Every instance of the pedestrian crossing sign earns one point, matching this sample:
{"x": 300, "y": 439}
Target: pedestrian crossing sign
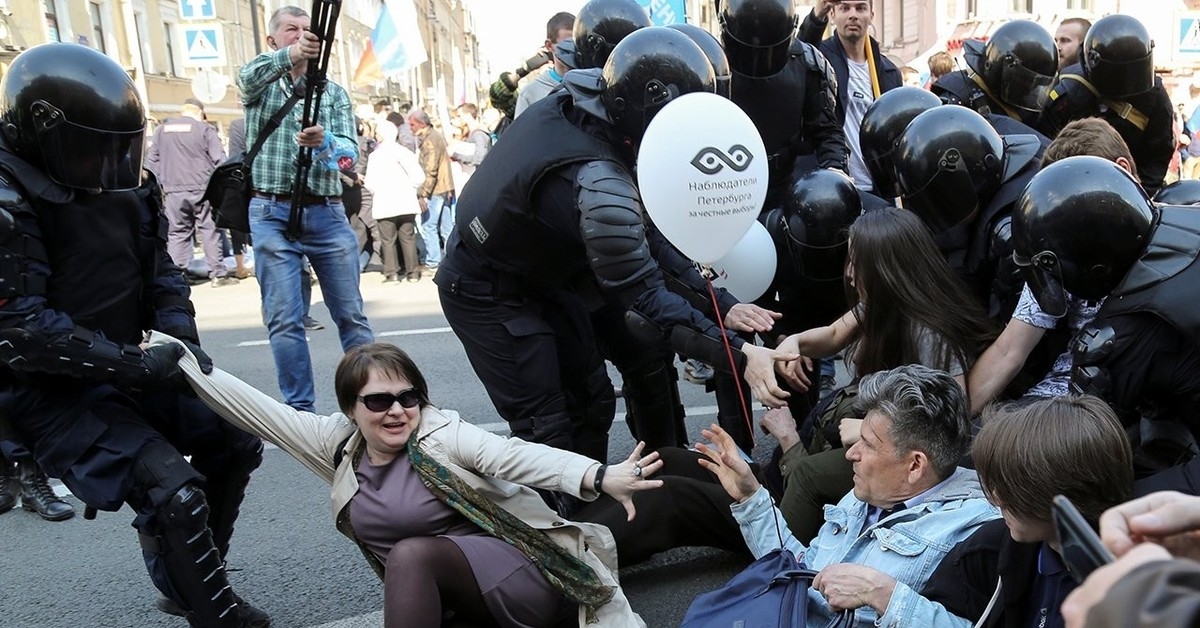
{"x": 1188, "y": 29}
{"x": 203, "y": 45}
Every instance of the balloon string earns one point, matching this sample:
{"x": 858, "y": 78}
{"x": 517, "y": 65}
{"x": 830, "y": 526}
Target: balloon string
{"x": 737, "y": 378}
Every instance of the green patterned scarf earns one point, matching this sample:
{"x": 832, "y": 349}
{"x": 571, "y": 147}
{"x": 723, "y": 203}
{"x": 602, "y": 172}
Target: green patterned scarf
{"x": 568, "y": 574}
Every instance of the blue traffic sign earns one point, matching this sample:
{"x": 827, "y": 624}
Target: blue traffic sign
{"x": 197, "y": 9}
{"x": 203, "y": 45}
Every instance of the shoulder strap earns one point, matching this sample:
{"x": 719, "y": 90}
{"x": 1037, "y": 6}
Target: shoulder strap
{"x": 1124, "y": 110}
{"x": 272, "y": 124}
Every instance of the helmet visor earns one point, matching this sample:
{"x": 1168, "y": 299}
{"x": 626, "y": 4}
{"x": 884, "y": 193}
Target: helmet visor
{"x": 1023, "y": 88}
{"x": 883, "y": 174}
{"x": 82, "y": 157}
{"x": 1044, "y": 274}
{"x": 948, "y": 199}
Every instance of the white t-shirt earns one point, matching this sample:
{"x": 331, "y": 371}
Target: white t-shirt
{"x": 858, "y": 98}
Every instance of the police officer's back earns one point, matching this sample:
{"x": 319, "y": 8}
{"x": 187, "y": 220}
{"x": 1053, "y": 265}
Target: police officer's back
{"x": 1115, "y": 80}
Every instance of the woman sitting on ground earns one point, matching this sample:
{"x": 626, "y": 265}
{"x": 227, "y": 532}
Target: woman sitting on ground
{"x": 441, "y": 508}
{"x": 909, "y": 308}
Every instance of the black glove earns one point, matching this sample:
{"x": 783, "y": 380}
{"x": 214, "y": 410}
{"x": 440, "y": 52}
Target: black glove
{"x": 206, "y": 363}
{"x": 162, "y": 368}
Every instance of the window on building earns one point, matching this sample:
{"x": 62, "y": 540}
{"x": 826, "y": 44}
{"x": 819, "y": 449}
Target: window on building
{"x": 1082, "y": 5}
{"x": 97, "y": 27}
{"x": 51, "y": 15}
{"x": 143, "y": 37}
{"x": 170, "y": 39}
{"x": 1022, "y": 6}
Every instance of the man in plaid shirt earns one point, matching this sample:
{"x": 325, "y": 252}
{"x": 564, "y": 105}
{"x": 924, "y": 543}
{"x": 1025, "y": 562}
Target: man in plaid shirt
{"x": 326, "y": 239}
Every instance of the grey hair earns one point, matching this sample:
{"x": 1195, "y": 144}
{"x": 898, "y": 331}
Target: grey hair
{"x": 273, "y": 24}
{"x": 420, "y": 116}
{"x": 928, "y": 409}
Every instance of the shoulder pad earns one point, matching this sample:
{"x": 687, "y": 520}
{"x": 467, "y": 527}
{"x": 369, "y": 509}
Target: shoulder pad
{"x": 815, "y": 61}
{"x": 612, "y": 225}
{"x": 1093, "y": 344}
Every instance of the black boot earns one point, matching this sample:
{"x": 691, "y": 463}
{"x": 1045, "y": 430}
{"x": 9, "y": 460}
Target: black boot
{"x": 250, "y": 616}
{"x": 8, "y": 494}
{"x": 36, "y": 494}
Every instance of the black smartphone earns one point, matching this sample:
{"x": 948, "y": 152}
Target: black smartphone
{"x": 1082, "y": 550}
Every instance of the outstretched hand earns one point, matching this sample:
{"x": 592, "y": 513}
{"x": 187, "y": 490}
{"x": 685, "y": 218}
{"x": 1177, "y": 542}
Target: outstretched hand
{"x": 760, "y": 374}
{"x": 750, "y": 317}
{"x": 622, "y": 480}
{"x": 721, "y": 458}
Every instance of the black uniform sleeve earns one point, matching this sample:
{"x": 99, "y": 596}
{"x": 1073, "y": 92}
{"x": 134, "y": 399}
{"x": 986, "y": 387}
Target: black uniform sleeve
{"x": 36, "y": 338}
{"x": 614, "y": 236}
{"x": 1157, "y": 141}
{"x": 812, "y": 29}
{"x": 168, "y": 294}
{"x": 683, "y": 277}
{"x": 821, "y": 126}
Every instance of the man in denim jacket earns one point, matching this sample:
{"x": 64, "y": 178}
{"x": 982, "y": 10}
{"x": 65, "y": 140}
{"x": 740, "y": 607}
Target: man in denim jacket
{"x": 910, "y": 505}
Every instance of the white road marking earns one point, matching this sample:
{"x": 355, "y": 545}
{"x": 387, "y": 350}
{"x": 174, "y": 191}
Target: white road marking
{"x": 398, "y": 332}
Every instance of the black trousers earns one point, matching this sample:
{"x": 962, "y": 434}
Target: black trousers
{"x": 691, "y": 509}
{"x": 402, "y": 229}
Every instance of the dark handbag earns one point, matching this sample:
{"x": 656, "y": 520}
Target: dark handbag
{"x": 771, "y": 592}
{"x": 229, "y": 187}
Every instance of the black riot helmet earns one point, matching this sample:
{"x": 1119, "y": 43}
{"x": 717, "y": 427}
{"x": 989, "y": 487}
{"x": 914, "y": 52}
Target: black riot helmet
{"x": 757, "y": 35}
{"x": 1118, "y": 56}
{"x": 949, "y": 164}
{"x": 1182, "y": 192}
{"x": 882, "y": 125}
{"x": 712, "y": 49}
{"x": 601, "y": 25}
{"x": 76, "y": 114}
{"x": 647, "y": 70}
{"x": 813, "y": 225}
{"x": 1018, "y": 64}
{"x": 1078, "y": 228}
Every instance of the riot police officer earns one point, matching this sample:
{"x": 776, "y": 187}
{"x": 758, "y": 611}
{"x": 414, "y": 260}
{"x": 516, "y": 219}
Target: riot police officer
{"x": 544, "y": 235}
{"x": 1084, "y": 227}
{"x": 97, "y": 411}
{"x": 1115, "y": 81}
{"x": 1009, "y": 75}
{"x": 785, "y": 86}
{"x": 883, "y": 123}
{"x": 600, "y": 26}
{"x": 962, "y": 178}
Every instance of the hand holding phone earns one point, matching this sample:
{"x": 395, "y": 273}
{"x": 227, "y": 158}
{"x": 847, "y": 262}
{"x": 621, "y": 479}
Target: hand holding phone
{"x": 1080, "y": 546}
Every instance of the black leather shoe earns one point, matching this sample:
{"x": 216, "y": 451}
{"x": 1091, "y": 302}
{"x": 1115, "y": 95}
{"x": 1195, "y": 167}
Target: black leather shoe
{"x": 37, "y": 496}
{"x": 414, "y": 276}
{"x": 392, "y": 278}
{"x": 8, "y": 492}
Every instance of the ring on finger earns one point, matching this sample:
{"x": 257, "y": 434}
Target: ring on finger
{"x": 637, "y": 471}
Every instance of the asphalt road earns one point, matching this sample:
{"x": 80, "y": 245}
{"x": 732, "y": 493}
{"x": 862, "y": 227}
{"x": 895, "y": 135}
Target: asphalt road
{"x": 286, "y": 557}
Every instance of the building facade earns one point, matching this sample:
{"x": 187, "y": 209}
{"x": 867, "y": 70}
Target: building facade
{"x": 173, "y": 55}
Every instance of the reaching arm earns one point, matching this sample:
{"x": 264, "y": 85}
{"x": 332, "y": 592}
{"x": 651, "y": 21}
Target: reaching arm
{"x": 1000, "y": 362}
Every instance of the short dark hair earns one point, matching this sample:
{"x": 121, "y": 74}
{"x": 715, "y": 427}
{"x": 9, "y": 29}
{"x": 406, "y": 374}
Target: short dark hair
{"x": 1072, "y": 445}
{"x": 355, "y": 369}
{"x": 560, "y": 22}
{"x": 928, "y": 409}
{"x": 1088, "y": 136}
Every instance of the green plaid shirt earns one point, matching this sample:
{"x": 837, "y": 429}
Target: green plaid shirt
{"x": 265, "y": 83}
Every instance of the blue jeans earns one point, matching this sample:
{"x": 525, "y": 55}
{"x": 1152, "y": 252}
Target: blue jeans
{"x": 332, "y": 249}
{"x": 434, "y": 220}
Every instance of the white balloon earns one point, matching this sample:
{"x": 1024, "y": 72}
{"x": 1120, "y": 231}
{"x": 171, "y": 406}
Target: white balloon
{"x": 747, "y": 269}
{"x": 702, "y": 173}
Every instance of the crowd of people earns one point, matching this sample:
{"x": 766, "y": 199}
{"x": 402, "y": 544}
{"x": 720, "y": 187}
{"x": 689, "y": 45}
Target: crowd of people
{"x": 999, "y": 259}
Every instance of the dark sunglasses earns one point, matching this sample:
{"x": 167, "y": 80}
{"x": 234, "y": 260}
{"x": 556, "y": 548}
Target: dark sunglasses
{"x": 381, "y": 402}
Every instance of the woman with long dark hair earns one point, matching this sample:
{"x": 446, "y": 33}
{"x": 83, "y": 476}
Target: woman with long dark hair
{"x": 908, "y": 307}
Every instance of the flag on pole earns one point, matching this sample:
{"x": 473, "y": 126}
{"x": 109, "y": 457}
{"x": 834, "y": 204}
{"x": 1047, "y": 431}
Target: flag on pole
{"x": 395, "y": 44}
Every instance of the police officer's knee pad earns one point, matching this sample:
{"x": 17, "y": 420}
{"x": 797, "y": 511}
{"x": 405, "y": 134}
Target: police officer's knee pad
{"x": 186, "y": 509}
{"x": 160, "y": 472}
